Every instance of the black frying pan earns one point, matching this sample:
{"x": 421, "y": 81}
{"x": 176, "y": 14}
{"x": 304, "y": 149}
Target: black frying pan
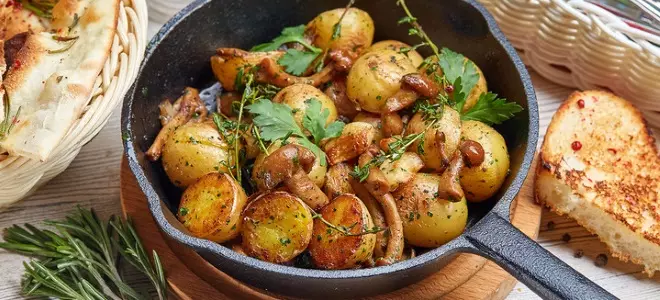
{"x": 179, "y": 56}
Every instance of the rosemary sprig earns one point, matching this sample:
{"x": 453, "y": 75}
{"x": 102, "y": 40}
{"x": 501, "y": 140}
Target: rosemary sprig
{"x": 8, "y": 122}
{"x": 79, "y": 260}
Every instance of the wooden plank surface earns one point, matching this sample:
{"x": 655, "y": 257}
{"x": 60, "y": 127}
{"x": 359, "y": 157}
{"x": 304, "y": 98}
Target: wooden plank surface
{"x": 93, "y": 181}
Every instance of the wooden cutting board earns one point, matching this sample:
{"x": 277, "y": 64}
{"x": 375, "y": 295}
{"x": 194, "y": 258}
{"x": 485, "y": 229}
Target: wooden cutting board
{"x": 190, "y": 277}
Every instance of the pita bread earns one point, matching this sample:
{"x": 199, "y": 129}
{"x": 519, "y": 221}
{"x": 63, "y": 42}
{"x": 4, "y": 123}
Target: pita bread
{"x": 14, "y": 20}
{"x": 52, "y": 81}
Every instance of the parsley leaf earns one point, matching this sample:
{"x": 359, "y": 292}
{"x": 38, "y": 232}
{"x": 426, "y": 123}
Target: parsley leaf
{"x": 296, "y": 62}
{"x": 315, "y": 119}
{"x": 288, "y": 35}
{"x": 276, "y": 122}
{"x": 461, "y": 73}
{"x": 491, "y": 110}
{"x": 274, "y": 119}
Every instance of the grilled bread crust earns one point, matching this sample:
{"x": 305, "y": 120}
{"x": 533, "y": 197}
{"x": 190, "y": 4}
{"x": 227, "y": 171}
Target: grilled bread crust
{"x": 599, "y": 165}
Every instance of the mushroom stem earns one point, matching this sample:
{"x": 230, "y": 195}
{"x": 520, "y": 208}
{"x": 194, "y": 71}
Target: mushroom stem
{"x": 301, "y": 186}
{"x": 450, "y": 186}
{"x": 379, "y": 188}
{"x": 272, "y": 73}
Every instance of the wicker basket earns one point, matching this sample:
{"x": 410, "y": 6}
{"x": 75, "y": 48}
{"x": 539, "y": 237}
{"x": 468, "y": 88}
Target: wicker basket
{"x": 580, "y": 45}
{"x": 20, "y": 175}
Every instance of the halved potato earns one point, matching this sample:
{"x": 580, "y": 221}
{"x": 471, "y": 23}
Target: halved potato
{"x": 403, "y": 170}
{"x": 428, "y": 221}
{"x": 338, "y": 181}
{"x": 277, "y": 226}
{"x": 354, "y": 140}
{"x": 211, "y": 208}
{"x": 333, "y": 250}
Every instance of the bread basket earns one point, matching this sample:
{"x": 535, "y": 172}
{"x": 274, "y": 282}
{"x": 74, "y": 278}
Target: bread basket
{"x": 581, "y": 45}
{"x": 20, "y": 175}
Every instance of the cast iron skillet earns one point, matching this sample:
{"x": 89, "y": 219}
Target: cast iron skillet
{"x": 179, "y": 56}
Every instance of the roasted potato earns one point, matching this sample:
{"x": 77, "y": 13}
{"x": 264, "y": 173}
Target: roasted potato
{"x": 357, "y": 30}
{"x": 449, "y": 125}
{"x": 338, "y": 181}
{"x": 277, "y": 226}
{"x": 403, "y": 170}
{"x": 194, "y": 150}
{"x": 413, "y": 55}
{"x": 317, "y": 174}
{"x": 211, "y": 207}
{"x": 375, "y": 77}
{"x": 429, "y": 221}
{"x": 297, "y": 97}
{"x": 354, "y": 140}
{"x": 229, "y": 62}
{"x": 334, "y": 250}
{"x": 483, "y": 181}
{"x": 480, "y": 88}
{"x": 374, "y": 120}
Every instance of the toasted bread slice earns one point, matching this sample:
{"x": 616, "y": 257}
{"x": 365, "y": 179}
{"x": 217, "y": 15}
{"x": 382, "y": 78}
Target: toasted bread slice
{"x": 599, "y": 165}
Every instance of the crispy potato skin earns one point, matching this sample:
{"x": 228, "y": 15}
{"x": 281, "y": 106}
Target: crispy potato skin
{"x": 375, "y": 77}
{"x": 374, "y": 120}
{"x": 450, "y": 125}
{"x": 483, "y": 181}
{"x": 338, "y": 181}
{"x": 229, "y": 61}
{"x": 317, "y": 174}
{"x": 211, "y": 208}
{"x": 331, "y": 249}
{"x": 296, "y": 97}
{"x": 357, "y": 30}
{"x": 354, "y": 140}
{"x": 277, "y": 226}
{"x": 429, "y": 221}
{"x": 194, "y": 150}
{"x": 403, "y": 170}
{"x": 393, "y": 45}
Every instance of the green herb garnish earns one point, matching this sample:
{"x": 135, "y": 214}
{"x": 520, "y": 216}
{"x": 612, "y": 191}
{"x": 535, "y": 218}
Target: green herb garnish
{"x": 491, "y": 110}
{"x": 315, "y": 119}
{"x": 294, "y": 61}
{"x": 79, "y": 259}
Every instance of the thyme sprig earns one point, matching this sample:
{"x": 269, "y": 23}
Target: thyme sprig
{"x": 79, "y": 260}
{"x": 41, "y": 8}
{"x": 346, "y": 230}
{"x": 336, "y": 29}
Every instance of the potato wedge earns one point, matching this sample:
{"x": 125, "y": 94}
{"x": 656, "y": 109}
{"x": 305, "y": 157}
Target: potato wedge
{"x": 333, "y": 250}
{"x": 211, "y": 208}
{"x": 354, "y": 140}
{"x": 277, "y": 226}
{"x": 403, "y": 170}
{"x": 428, "y": 221}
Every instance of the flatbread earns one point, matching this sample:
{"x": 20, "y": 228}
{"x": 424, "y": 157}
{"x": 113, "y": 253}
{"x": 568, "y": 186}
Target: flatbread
{"x": 14, "y": 20}
{"x": 53, "y": 80}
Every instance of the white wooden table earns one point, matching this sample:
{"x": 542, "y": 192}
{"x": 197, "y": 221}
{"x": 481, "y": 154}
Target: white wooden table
{"x": 93, "y": 181}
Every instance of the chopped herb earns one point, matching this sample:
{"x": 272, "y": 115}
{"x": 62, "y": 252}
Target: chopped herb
{"x": 183, "y": 211}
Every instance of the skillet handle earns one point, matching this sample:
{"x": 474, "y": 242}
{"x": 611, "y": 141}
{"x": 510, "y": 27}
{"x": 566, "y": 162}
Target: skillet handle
{"x": 544, "y": 273}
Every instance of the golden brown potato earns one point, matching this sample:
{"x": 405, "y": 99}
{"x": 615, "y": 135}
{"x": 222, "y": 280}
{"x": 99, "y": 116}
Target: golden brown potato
{"x": 375, "y": 77}
{"x": 333, "y": 250}
{"x": 354, "y": 140}
{"x": 194, "y": 150}
{"x": 357, "y": 30}
{"x": 480, "y": 88}
{"x": 429, "y": 221}
{"x": 317, "y": 174}
{"x": 229, "y": 62}
{"x": 374, "y": 120}
{"x": 403, "y": 170}
{"x": 297, "y": 96}
{"x": 483, "y": 181}
{"x": 450, "y": 125}
{"x": 277, "y": 226}
{"x": 413, "y": 55}
{"x": 211, "y": 208}
{"x": 338, "y": 181}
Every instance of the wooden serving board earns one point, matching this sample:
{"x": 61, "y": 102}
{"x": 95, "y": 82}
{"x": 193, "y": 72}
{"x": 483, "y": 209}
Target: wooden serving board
{"x": 191, "y": 277}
